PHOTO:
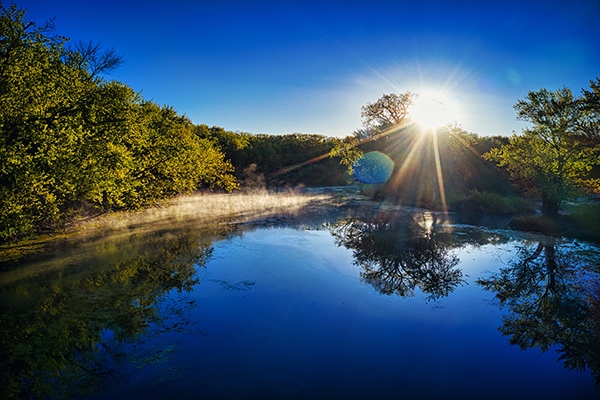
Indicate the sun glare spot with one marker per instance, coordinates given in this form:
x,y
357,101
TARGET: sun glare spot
x,y
431,113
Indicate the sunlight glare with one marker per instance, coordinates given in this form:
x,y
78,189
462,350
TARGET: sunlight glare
x,y
431,113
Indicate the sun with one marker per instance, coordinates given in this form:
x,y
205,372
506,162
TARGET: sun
x,y
431,112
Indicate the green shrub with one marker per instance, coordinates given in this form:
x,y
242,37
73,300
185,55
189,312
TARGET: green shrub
x,y
495,203
580,221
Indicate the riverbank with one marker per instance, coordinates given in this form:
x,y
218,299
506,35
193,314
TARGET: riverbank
x,y
264,207
195,209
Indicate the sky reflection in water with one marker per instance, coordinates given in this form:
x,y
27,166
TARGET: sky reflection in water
x,y
296,313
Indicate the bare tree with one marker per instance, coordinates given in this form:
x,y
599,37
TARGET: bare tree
x,y
91,57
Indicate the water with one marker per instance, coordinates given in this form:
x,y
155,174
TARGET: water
x,y
349,304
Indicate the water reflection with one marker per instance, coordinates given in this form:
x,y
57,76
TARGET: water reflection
x,y
69,308
53,324
552,295
398,253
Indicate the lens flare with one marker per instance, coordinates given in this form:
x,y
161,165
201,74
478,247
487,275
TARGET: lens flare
x,y
373,167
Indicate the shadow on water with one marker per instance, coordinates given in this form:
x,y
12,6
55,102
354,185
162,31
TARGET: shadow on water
x,y
70,318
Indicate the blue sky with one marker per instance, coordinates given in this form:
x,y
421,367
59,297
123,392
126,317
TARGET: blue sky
x,y
280,67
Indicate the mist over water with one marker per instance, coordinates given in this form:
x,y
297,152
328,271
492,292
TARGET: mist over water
x,y
201,207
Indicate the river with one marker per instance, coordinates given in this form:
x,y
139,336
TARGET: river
x,y
320,296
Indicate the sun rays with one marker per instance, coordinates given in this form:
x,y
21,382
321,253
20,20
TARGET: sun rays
x,y
418,156
430,112
438,172
411,154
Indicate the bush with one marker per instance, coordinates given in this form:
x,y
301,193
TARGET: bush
x,y
580,221
494,203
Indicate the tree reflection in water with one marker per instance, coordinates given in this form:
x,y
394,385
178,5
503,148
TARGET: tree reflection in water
x,y
397,254
551,294
52,327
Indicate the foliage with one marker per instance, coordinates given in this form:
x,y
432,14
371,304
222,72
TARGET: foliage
x,y
586,217
69,137
495,203
348,152
276,160
387,112
227,141
282,160
589,123
579,221
414,180
551,157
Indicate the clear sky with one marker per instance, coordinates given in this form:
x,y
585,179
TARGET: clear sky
x,y
308,66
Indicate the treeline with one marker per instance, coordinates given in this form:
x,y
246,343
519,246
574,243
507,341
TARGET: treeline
x,y
72,141
279,160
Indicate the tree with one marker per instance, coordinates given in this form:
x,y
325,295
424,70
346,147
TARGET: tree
x,y
550,158
37,93
69,138
389,110
348,152
227,141
589,124
90,57
278,160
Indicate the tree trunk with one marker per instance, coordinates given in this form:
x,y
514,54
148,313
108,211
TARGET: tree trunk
x,y
551,267
550,206
105,204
